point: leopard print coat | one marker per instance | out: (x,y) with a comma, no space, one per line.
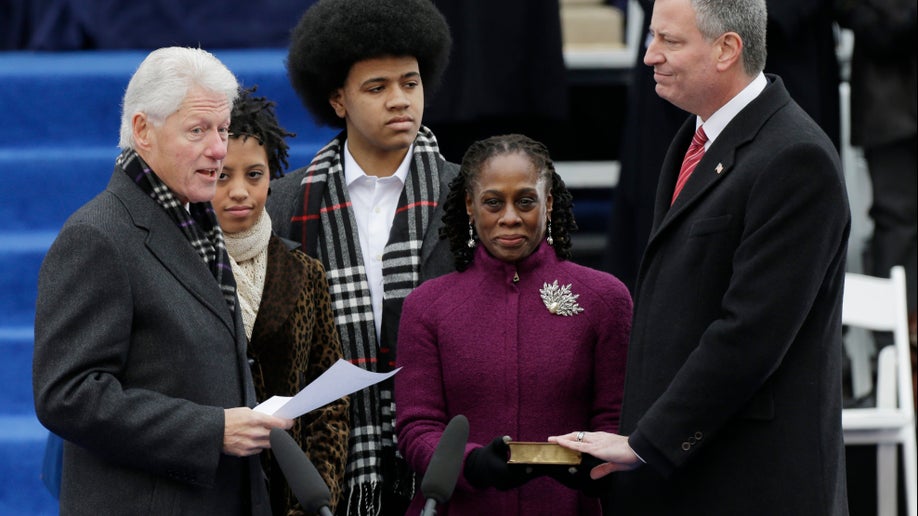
(295,340)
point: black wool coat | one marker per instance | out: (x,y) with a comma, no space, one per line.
(733,383)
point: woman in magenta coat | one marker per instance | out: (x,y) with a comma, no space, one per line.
(522,341)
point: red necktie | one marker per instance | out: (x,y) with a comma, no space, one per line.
(692,157)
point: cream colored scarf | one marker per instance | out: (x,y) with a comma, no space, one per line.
(248,252)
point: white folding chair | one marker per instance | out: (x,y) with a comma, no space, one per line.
(879,304)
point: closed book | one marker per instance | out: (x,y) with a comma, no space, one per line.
(522,452)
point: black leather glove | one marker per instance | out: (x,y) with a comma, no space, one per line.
(578,477)
(487,467)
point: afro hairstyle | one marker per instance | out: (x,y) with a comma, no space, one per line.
(332,35)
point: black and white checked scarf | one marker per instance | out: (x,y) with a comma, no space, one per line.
(198,223)
(324,224)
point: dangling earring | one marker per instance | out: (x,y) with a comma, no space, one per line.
(471,242)
(549,239)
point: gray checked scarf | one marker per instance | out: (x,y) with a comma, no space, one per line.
(325,225)
(198,223)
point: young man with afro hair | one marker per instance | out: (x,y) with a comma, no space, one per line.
(369,206)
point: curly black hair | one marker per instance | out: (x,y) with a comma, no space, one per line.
(254,116)
(332,35)
(456,219)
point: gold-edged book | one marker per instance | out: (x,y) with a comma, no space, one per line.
(522,452)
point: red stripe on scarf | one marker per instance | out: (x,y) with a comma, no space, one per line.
(301,218)
(416,204)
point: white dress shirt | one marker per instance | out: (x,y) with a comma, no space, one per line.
(373,203)
(716,123)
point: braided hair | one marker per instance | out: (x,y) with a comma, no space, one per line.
(254,117)
(455,218)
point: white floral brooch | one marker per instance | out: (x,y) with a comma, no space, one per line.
(560,300)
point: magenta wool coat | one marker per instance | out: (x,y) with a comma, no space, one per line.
(482,343)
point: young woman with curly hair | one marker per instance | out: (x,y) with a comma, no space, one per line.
(283,296)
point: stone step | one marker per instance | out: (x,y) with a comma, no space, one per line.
(592,25)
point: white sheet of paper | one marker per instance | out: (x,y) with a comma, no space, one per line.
(341,379)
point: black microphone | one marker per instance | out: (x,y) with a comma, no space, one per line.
(304,479)
(445,464)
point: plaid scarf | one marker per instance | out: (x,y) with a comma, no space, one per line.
(324,224)
(198,223)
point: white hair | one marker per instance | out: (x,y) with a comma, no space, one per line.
(163,80)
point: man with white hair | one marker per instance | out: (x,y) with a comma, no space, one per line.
(140,353)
